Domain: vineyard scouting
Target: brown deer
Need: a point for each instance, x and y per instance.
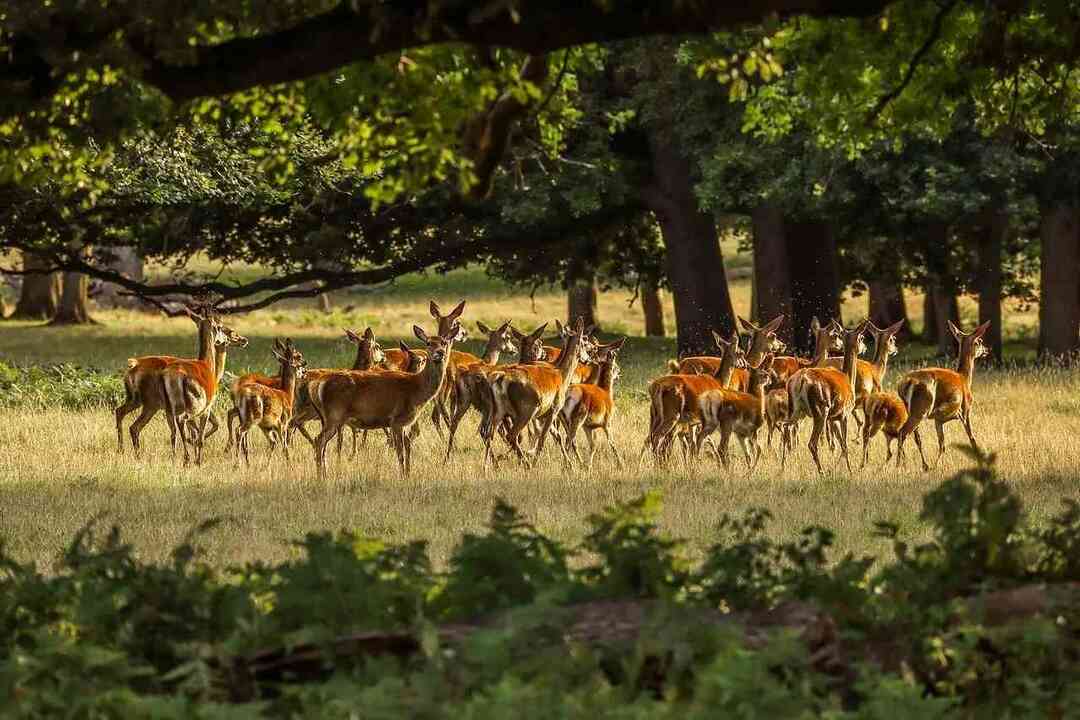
(471, 389)
(777, 415)
(674, 400)
(886, 412)
(372, 399)
(268, 408)
(592, 405)
(942, 394)
(189, 388)
(827, 395)
(871, 374)
(762, 340)
(526, 392)
(738, 413)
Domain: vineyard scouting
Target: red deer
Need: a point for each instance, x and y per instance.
(268, 408)
(762, 340)
(869, 375)
(941, 394)
(471, 389)
(738, 413)
(592, 405)
(885, 412)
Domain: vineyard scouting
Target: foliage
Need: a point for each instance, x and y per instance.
(65, 385)
(105, 634)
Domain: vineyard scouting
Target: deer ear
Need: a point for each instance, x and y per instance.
(579, 326)
(774, 324)
(590, 330)
(558, 326)
(539, 331)
(504, 327)
(420, 334)
(981, 330)
(483, 328)
(433, 308)
(746, 324)
(861, 327)
(404, 348)
(617, 345)
(894, 328)
(815, 324)
(353, 337)
(720, 342)
(956, 332)
(456, 312)
(518, 335)
(369, 334)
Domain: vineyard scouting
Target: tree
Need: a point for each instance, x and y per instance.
(39, 296)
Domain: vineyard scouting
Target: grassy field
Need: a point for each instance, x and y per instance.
(59, 468)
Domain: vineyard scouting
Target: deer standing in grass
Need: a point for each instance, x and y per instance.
(527, 392)
(471, 387)
(142, 378)
(189, 388)
(738, 413)
(268, 408)
(372, 399)
(826, 394)
(942, 394)
(592, 405)
(871, 374)
(762, 340)
(884, 411)
(674, 401)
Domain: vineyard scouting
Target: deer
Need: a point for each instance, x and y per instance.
(870, 374)
(826, 394)
(189, 388)
(884, 411)
(269, 408)
(592, 405)
(674, 399)
(739, 413)
(778, 402)
(942, 394)
(471, 388)
(777, 413)
(526, 392)
(142, 386)
(762, 340)
(372, 399)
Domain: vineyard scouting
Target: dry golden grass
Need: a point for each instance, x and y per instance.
(60, 468)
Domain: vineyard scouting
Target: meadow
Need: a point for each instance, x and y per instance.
(59, 468)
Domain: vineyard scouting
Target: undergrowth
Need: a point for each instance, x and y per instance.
(65, 385)
(103, 634)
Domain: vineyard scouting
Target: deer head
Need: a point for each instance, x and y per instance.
(367, 348)
(445, 322)
(971, 344)
(290, 357)
(763, 339)
(531, 345)
(501, 338)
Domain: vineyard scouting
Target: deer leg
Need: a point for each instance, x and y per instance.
(869, 430)
(939, 425)
(128, 406)
(611, 446)
(842, 422)
(398, 437)
(922, 455)
(965, 418)
(201, 437)
(330, 427)
(213, 421)
(460, 409)
(820, 423)
(230, 416)
(520, 422)
(140, 422)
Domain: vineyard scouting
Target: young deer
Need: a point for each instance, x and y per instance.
(826, 338)
(390, 399)
(827, 395)
(777, 415)
(527, 392)
(471, 388)
(887, 412)
(942, 394)
(741, 413)
(592, 405)
(552, 352)
(674, 400)
(189, 387)
(270, 409)
(869, 375)
(762, 340)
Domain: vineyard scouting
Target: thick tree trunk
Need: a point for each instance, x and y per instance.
(772, 275)
(581, 299)
(39, 297)
(887, 305)
(74, 299)
(929, 332)
(653, 308)
(992, 238)
(694, 266)
(130, 264)
(946, 310)
(815, 278)
(1059, 306)
(941, 284)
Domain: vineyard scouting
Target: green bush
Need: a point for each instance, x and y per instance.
(502, 632)
(67, 386)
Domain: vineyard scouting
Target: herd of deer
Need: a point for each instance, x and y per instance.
(557, 391)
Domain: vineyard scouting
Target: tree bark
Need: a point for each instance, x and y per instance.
(129, 263)
(815, 278)
(693, 262)
(74, 299)
(1059, 306)
(887, 305)
(929, 332)
(772, 275)
(991, 244)
(39, 297)
(942, 288)
(581, 300)
(654, 309)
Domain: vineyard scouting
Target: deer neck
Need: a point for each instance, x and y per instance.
(568, 362)
(965, 367)
(433, 376)
(881, 356)
(207, 350)
(726, 368)
(756, 353)
(491, 354)
(362, 361)
(219, 362)
(288, 381)
(821, 353)
(606, 380)
(849, 367)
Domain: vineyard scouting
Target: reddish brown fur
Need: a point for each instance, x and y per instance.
(885, 412)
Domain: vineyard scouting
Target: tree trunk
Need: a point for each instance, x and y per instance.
(40, 294)
(815, 279)
(74, 299)
(946, 309)
(1059, 306)
(581, 299)
(694, 266)
(772, 276)
(942, 288)
(654, 309)
(887, 305)
(129, 263)
(991, 239)
(929, 331)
